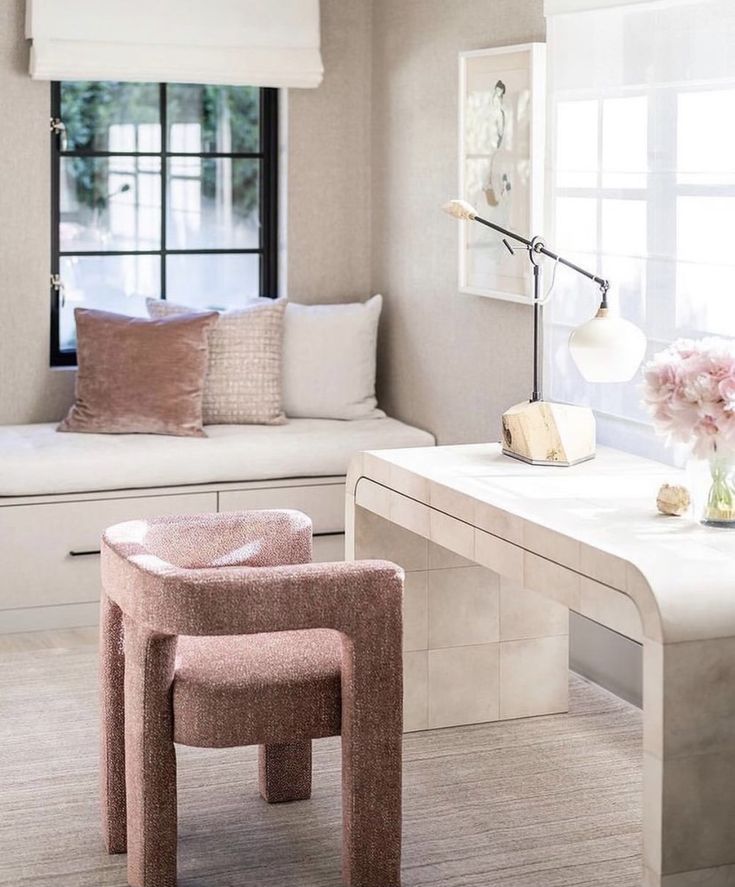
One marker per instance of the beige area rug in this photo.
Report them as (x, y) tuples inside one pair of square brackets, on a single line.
[(545, 802)]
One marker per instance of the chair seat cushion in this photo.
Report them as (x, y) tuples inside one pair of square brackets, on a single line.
[(257, 689)]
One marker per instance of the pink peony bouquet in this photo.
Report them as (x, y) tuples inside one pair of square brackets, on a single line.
[(690, 391)]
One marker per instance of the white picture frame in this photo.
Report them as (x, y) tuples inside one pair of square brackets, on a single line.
[(502, 117)]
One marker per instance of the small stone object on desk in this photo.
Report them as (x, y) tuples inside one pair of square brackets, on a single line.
[(673, 500)]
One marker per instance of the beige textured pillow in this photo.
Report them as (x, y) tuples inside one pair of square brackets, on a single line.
[(243, 384), (139, 376)]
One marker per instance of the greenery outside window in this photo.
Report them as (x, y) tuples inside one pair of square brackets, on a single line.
[(160, 191)]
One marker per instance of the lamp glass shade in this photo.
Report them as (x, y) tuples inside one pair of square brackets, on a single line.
[(607, 348)]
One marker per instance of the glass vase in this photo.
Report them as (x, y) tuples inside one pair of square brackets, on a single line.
[(719, 503)]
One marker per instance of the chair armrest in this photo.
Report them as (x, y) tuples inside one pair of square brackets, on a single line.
[(250, 600)]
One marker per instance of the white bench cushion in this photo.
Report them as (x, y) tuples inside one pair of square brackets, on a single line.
[(38, 460)]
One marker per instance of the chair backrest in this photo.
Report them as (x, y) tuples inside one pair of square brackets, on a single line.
[(243, 573)]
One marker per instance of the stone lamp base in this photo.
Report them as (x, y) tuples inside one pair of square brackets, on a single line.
[(544, 433)]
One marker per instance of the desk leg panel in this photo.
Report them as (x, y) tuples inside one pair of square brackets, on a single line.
[(477, 647), (689, 763)]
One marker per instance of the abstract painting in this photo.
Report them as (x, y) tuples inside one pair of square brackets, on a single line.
[(501, 164)]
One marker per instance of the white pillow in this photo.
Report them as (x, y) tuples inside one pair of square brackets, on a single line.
[(329, 354)]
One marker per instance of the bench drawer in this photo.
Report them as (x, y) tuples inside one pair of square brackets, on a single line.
[(324, 503), (49, 553)]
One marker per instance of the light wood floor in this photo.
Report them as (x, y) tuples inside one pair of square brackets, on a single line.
[(59, 639), (544, 802)]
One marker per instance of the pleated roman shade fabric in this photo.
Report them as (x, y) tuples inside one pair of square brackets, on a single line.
[(235, 42), (558, 7)]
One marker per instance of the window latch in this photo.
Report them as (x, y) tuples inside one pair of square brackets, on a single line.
[(58, 128), (57, 285)]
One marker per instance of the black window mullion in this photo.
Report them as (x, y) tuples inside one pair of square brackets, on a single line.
[(85, 152), (164, 179), (57, 357), (268, 184), (197, 251)]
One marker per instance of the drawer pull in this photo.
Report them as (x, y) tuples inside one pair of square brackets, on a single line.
[(90, 553)]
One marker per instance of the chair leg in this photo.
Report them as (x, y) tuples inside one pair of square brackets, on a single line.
[(150, 768), (371, 804), (112, 727), (372, 746), (285, 771)]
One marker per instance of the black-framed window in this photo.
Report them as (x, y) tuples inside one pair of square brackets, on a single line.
[(160, 191)]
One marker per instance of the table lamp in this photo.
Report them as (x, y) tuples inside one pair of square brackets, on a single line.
[(605, 349)]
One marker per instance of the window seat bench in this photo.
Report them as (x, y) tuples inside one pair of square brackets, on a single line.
[(59, 491)]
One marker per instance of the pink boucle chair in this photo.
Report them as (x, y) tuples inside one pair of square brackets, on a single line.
[(218, 631)]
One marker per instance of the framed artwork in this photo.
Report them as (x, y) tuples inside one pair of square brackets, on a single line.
[(501, 164)]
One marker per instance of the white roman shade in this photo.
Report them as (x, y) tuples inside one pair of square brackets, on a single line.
[(558, 7), (239, 42)]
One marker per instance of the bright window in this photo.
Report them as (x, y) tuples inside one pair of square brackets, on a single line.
[(642, 185), (160, 191)]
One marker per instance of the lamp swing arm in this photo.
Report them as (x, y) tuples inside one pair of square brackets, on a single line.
[(536, 246), (605, 349)]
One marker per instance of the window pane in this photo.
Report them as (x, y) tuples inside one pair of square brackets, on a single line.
[(110, 283), (110, 203), (705, 226), (213, 203), (108, 116), (705, 137), (576, 224), (207, 119), (704, 302), (624, 142), (577, 144), (213, 281), (624, 227)]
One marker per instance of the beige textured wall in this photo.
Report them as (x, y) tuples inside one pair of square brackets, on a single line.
[(450, 363), (29, 390), (329, 164), (328, 224)]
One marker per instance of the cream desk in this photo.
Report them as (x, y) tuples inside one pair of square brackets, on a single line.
[(497, 552)]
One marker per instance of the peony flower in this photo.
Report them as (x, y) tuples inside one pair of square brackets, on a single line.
[(727, 392), (702, 387), (690, 391)]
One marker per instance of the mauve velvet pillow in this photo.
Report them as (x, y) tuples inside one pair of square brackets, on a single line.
[(139, 376)]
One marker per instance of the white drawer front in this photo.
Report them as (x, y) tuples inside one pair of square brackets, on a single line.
[(324, 503), (329, 548), (37, 541)]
